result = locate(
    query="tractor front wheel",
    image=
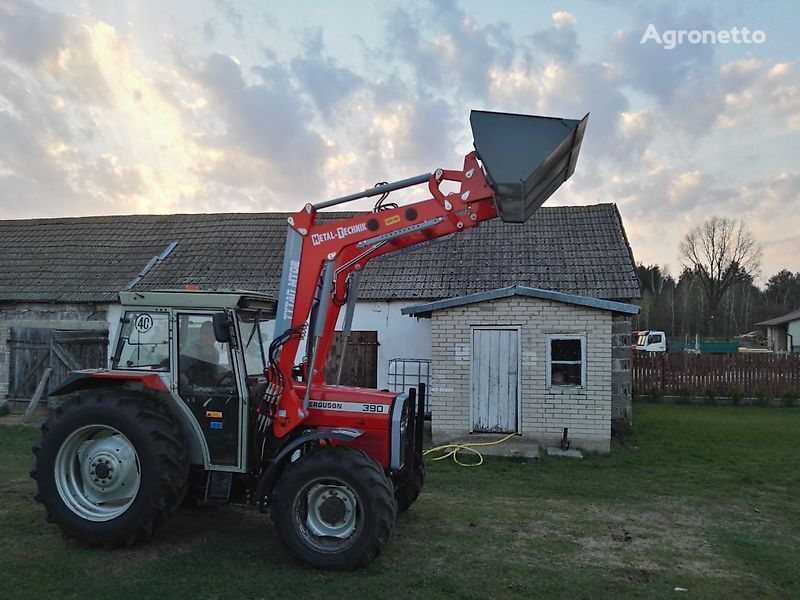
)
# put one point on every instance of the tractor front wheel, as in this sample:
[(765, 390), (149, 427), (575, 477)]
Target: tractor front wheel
[(334, 508), (110, 467)]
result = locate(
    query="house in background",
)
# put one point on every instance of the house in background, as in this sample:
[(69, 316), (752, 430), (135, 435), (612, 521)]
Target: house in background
[(783, 333), (61, 277)]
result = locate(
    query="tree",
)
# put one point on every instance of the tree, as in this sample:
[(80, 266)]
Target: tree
[(721, 252), (783, 289)]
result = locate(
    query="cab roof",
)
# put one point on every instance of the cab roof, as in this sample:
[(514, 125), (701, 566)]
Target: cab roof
[(200, 299)]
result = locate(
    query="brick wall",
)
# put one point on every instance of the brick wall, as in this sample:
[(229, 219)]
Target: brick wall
[(73, 317), (587, 412)]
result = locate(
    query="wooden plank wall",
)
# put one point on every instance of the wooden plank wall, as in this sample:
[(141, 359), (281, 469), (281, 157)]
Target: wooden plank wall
[(360, 361), (32, 350), (722, 375)]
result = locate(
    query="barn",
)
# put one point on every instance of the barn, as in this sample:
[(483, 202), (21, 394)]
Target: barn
[(61, 278)]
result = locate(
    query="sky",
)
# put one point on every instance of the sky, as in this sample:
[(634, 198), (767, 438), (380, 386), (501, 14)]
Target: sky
[(181, 106)]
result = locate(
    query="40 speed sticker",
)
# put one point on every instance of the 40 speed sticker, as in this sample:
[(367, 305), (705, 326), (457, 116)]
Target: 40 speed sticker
[(357, 407)]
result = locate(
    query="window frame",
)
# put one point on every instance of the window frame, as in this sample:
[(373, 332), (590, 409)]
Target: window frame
[(549, 364), (114, 359)]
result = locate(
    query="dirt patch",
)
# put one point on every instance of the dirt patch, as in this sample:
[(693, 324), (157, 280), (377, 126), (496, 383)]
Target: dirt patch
[(635, 541), (662, 536)]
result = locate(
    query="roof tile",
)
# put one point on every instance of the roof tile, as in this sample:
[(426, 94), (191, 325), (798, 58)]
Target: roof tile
[(572, 249)]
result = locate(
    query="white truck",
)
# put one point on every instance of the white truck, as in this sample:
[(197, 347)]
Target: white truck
[(650, 341)]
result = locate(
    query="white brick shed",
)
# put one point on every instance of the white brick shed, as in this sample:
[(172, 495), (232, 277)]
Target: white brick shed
[(530, 361)]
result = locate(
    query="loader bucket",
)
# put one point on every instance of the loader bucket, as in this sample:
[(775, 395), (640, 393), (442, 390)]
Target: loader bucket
[(526, 157)]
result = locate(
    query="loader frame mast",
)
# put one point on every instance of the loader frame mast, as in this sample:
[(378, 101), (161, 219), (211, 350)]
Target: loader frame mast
[(320, 257)]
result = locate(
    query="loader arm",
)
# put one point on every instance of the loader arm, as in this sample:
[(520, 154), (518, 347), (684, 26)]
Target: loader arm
[(320, 257)]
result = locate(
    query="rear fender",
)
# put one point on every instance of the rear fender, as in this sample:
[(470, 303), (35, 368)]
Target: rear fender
[(272, 473), (149, 384), (94, 379)]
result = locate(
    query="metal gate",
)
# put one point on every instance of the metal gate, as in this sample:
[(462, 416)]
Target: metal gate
[(495, 380), (360, 361), (32, 350)]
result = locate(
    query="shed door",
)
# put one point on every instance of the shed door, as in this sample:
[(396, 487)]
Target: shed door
[(495, 380)]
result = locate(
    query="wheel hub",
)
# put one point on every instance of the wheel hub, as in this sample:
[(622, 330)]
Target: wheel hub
[(331, 511), (97, 472)]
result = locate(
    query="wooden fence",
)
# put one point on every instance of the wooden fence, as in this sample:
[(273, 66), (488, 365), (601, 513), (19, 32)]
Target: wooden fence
[(717, 375)]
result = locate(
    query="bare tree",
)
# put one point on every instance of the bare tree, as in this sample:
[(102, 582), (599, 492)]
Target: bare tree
[(720, 253)]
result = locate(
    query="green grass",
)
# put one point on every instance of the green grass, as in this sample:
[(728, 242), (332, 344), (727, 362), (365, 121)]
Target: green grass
[(710, 503)]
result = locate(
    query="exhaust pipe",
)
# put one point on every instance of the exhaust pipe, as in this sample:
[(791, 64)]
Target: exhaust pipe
[(526, 157)]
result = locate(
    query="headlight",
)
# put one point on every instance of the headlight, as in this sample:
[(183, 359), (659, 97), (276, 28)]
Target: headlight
[(404, 421), (399, 427)]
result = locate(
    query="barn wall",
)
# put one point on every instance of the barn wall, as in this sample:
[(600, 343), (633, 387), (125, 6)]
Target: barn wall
[(398, 335), (544, 412), (64, 317)]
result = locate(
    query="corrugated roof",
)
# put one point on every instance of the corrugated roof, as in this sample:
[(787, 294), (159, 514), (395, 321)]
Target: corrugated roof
[(792, 316), (576, 249)]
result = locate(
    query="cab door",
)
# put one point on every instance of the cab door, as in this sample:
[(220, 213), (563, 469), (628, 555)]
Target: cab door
[(208, 381)]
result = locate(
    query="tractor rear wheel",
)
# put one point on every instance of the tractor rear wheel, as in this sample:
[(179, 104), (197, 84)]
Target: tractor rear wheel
[(110, 467), (334, 508)]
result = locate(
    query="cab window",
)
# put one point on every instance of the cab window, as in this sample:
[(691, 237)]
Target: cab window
[(202, 360), (144, 342)]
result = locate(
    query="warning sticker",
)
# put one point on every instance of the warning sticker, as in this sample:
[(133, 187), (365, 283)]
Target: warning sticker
[(392, 220), (213, 414)]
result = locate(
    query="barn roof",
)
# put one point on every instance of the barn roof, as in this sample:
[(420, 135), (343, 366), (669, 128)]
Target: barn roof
[(572, 249)]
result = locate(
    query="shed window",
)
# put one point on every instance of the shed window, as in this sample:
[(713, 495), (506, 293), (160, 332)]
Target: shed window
[(566, 361)]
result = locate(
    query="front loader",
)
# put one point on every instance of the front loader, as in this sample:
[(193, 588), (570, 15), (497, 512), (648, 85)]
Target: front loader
[(210, 398)]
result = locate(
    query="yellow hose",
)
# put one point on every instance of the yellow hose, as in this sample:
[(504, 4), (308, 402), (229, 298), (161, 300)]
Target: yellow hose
[(453, 450)]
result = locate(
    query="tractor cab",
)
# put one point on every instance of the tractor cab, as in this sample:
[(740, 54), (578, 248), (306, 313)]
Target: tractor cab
[(209, 350)]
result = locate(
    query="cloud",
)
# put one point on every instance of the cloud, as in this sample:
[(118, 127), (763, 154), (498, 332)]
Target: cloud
[(560, 41), (267, 121), (322, 77), (444, 46), (55, 45), (96, 121), (651, 68)]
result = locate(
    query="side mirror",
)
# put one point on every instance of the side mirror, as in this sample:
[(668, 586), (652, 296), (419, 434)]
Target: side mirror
[(222, 327)]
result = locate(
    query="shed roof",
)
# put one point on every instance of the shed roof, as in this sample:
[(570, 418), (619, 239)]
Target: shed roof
[(572, 249), (424, 310), (788, 318)]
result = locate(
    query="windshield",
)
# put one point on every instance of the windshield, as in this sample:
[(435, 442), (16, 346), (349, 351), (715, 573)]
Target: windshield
[(256, 329)]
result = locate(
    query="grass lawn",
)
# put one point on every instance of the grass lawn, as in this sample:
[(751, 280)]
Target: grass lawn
[(710, 503)]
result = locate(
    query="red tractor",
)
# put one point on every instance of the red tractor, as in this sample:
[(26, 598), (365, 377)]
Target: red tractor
[(205, 397)]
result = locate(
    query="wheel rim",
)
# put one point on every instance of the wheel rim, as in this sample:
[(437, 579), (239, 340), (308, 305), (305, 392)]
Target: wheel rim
[(97, 473), (328, 515)]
